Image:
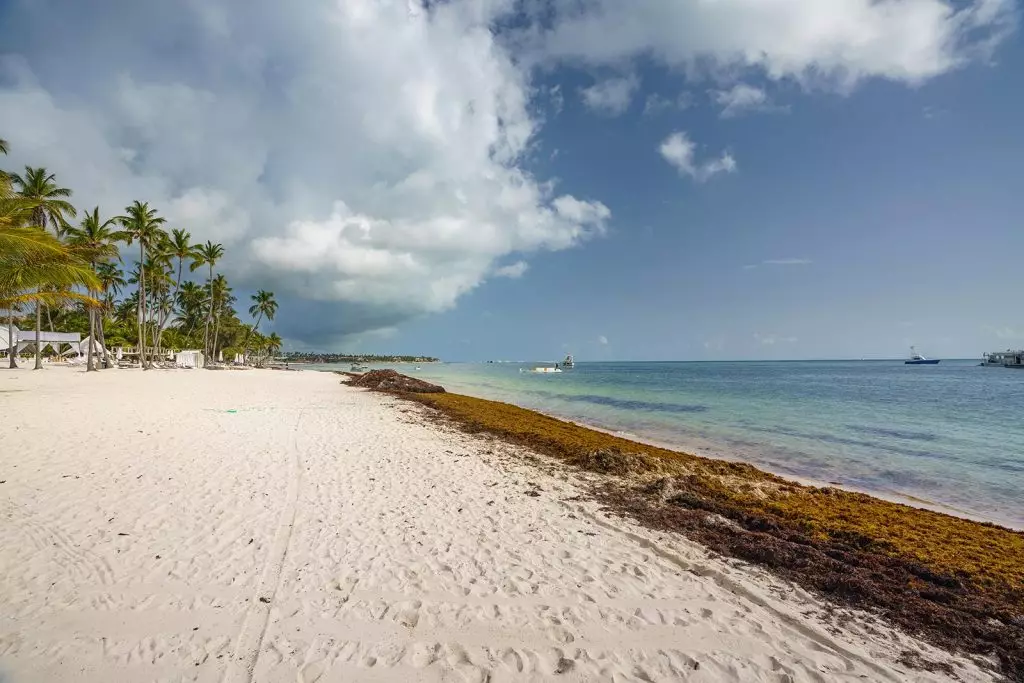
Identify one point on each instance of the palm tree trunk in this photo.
(142, 306)
(92, 336)
(209, 316)
(103, 339)
(12, 350)
(39, 325)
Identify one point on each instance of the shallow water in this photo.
(952, 434)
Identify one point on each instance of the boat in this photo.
(359, 368)
(568, 362)
(542, 370)
(918, 359)
(1004, 359)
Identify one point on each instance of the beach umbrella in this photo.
(120, 353)
(220, 356)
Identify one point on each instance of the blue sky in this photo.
(902, 205)
(494, 185)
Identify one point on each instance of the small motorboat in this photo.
(542, 370)
(569, 362)
(918, 359)
(359, 368)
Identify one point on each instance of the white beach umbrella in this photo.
(220, 356)
(120, 353)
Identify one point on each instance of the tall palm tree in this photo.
(191, 301)
(142, 225)
(263, 304)
(178, 245)
(222, 300)
(97, 240)
(207, 255)
(51, 209)
(3, 146)
(111, 281)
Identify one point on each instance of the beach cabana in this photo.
(189, 359)
(24, 339)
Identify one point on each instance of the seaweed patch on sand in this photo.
(954, 582)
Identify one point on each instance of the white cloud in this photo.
(678, 150)
(513, 270)
(838, 42)
(743, 98)
(611, 96)
(656, 104)
(361, 159)
(602, 340)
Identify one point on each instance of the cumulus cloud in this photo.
(838, 43)
(678, 150)
(611, 96)
(364, 160)
(742, 98)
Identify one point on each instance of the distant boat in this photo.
(568, 362)
(542, 370)
(918, 359)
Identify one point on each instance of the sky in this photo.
(520, 179)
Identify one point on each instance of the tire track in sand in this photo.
(254, 628)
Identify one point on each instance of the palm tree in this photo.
(96, 239)
(51, 208)
(273, 343)
(111, 281)
(42, 276)
(178, 245)
(141, 224)
(220, 295)
(190, 300)
(263, 305)
(207, 255)
(3, 146)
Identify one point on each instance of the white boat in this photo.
(568, 362)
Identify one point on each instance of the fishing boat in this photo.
(568, 362)
(918, 359)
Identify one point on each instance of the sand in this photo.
(277, 526)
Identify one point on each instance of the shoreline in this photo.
(958, 582)
(722, 450)
(273, 526)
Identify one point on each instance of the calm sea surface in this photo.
(952, 434)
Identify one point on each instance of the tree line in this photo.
(73, 274)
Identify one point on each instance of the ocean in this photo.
(950, 434)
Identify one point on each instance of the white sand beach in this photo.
(279, 526)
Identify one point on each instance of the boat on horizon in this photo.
(568, 362)
(918, 359)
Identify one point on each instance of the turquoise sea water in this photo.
(952, 434)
